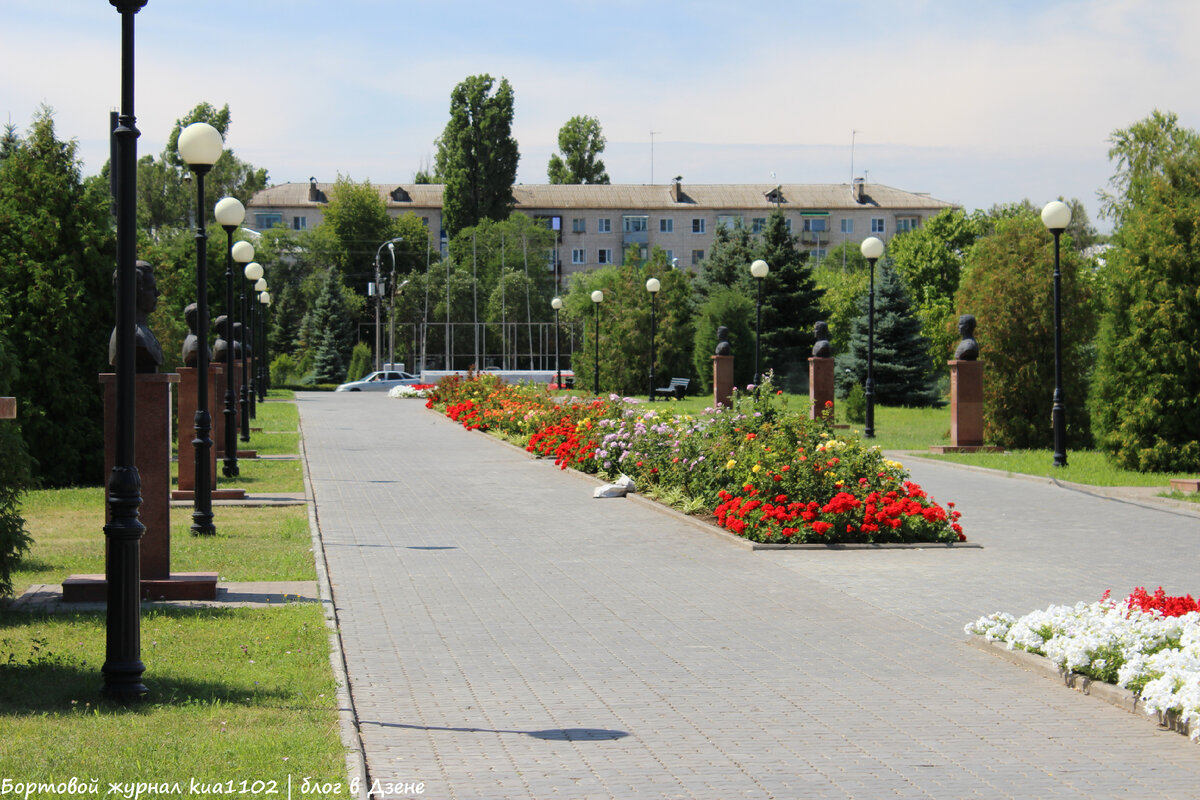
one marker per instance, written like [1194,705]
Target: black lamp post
[652,286]
[597,299]
[759,270]
[200,146]
[123,667]
[264,364]
[252,272]
[556,304]
[229,213]
[872,249]
[1056,216]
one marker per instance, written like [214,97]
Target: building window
[670,254]
[905,224]
[697,257]
[637,224]
[666,226]
[265,221]
[758,224]
[579,256]
[787,223]
[817,253]
[604,255]
[728,220]
[698,225]
[578,225]
[299,223]
[877,225]
[814,224]
[847,226]
[604,225]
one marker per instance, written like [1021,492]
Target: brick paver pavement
[508,636]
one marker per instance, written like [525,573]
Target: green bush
[285,371]
[856,404]
[360,362]
[1146,398]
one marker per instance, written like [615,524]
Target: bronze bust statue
[968,348]
[221,345]
[723,346]
[822,349]
[192,342]
[148,354]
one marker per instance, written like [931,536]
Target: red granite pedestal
[966,410]
[820,387]
[722,380]
[152,456]
[186,420]
[8,408]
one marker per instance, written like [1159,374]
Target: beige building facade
[597,224]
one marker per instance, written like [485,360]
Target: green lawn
[235,693]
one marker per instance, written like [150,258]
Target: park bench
[678,388]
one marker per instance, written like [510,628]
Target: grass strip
[235,694]
[1083,466]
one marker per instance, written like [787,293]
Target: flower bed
[420,390]
[1149,644]
[765,473]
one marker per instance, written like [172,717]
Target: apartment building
[597,224]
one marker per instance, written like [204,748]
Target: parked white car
[380,382]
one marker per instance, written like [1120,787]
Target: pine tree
[329,331]
[791,305]
[900,365]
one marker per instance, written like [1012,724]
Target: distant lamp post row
[229,213]
[252,272]
[1056,216]
[872,250]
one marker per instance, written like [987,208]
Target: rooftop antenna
[652,133]
[853,133]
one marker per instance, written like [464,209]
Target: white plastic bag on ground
[619,488]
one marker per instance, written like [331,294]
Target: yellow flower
[730,464]
[756,468]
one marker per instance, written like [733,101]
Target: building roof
[660,197]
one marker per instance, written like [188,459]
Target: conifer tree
[900,365]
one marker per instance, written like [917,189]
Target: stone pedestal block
[722,380]
[820,387]
[152,457]
[8,408]
[966,409]
[188,380]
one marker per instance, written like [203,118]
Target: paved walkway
[507,636]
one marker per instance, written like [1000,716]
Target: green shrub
[285,371]
[856,404]
[360,362]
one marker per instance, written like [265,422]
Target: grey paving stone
[509,636]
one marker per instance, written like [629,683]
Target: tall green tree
[732,309]
[15,478]
[843,276]
[1007,284]
[792,305]
[900,365]
[581,141]
[354,225]
[329,330]
[57,250]
[1146,395]
[477,154]
[1141,153]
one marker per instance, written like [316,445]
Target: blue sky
[973,102]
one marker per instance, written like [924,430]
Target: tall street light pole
[872,249]
[250,272]
[597,299]
[652,286]
[229,213]
[264,300]
[123,667]
[200,146]
[556,304]
[759,271]
[1056,216]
